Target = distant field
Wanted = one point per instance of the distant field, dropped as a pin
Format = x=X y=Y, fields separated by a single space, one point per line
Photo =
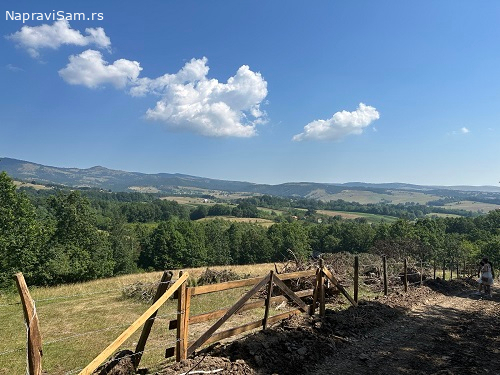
x=365 y=197
x=216 y=193
x=473 y=206
x=263 y=222
x=29 y=184
x=442 y=215
x=354 y=215
x=189 y=200
x=270 y=211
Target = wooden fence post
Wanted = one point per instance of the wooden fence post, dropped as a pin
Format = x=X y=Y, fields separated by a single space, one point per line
x=421 y=272
x=356 y=278
x=181 y=344
x=384 y=264
x=33 y=330
x=312 y=310
x=405 y=280
x=268 y=300
x=321 y=288
x=141 y=344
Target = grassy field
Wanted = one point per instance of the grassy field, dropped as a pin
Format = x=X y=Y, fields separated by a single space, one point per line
x=354 y=215
x=264 y=222
x=473 y=206
x=365 y=197
x=20 y=184
x=79 y=320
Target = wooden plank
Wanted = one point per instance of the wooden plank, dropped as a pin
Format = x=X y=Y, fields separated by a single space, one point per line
x=223 y=286
x=384 y=267
x=247 y=306
x=227 y=315
x=405 y=280
x=31 y=319
x=246 y=282
x=170 y=352
x=185 y=324
x=321 y=288
x=133 y=327
x=334 y=280
x=146 y=330
x=289 y=293
x=312 y=310
x=356 y=278
x=268 y=300
x=297 y=275
x=249 y=326
x=181 y=305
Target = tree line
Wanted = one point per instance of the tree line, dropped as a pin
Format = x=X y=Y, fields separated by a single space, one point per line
x=69 y=237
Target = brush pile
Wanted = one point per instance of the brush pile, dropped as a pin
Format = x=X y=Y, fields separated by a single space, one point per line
x=215 y=277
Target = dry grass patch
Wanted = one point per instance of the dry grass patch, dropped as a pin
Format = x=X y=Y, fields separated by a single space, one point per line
x=78 y=321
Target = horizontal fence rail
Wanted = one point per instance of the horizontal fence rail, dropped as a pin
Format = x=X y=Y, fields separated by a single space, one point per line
x=381 y=275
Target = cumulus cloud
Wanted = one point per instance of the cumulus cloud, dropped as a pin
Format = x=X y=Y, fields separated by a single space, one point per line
x=14 y=68
x=53 y=36
x=463 y=130
x=194 y=70
x=89 y=69
x=340 y=124
x=192 y=102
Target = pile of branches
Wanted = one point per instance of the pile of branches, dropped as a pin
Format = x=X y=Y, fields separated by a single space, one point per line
x=302 y=283
x=215 y=277
x=141 y=292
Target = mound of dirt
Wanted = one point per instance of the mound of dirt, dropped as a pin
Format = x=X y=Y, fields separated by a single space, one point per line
x=439 y=328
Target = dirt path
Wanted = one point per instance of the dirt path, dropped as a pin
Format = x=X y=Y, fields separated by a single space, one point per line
x=446 y=334
x=441 y=328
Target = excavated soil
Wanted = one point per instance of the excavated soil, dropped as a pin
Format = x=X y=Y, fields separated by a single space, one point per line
x=440 y=328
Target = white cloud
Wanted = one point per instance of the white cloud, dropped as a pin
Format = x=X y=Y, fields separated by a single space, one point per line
x=462 y=130
x=89 y=69
x=192 y=102
x=194 y=70
x=14 y=68
x=53 y=36
x=340 y=125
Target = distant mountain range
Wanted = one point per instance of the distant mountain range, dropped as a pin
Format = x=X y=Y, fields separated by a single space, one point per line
x=167 y=183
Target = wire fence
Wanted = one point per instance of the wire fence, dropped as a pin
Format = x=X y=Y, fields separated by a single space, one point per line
x=374 y=273
x=64 y=319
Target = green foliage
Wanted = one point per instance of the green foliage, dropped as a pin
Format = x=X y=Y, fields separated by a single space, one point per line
x=21 y=236
x=77 y=243
x=199 y=213
x=77 y=236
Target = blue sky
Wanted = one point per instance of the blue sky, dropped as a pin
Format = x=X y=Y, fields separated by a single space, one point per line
x=259 y=91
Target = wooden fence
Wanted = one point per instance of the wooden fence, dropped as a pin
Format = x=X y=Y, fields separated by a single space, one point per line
x=186 y=294
x=184 y=348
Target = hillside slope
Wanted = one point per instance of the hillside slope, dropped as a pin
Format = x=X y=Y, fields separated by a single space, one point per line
x=168 y=183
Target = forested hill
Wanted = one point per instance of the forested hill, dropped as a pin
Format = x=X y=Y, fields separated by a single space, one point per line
x=167 y=183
